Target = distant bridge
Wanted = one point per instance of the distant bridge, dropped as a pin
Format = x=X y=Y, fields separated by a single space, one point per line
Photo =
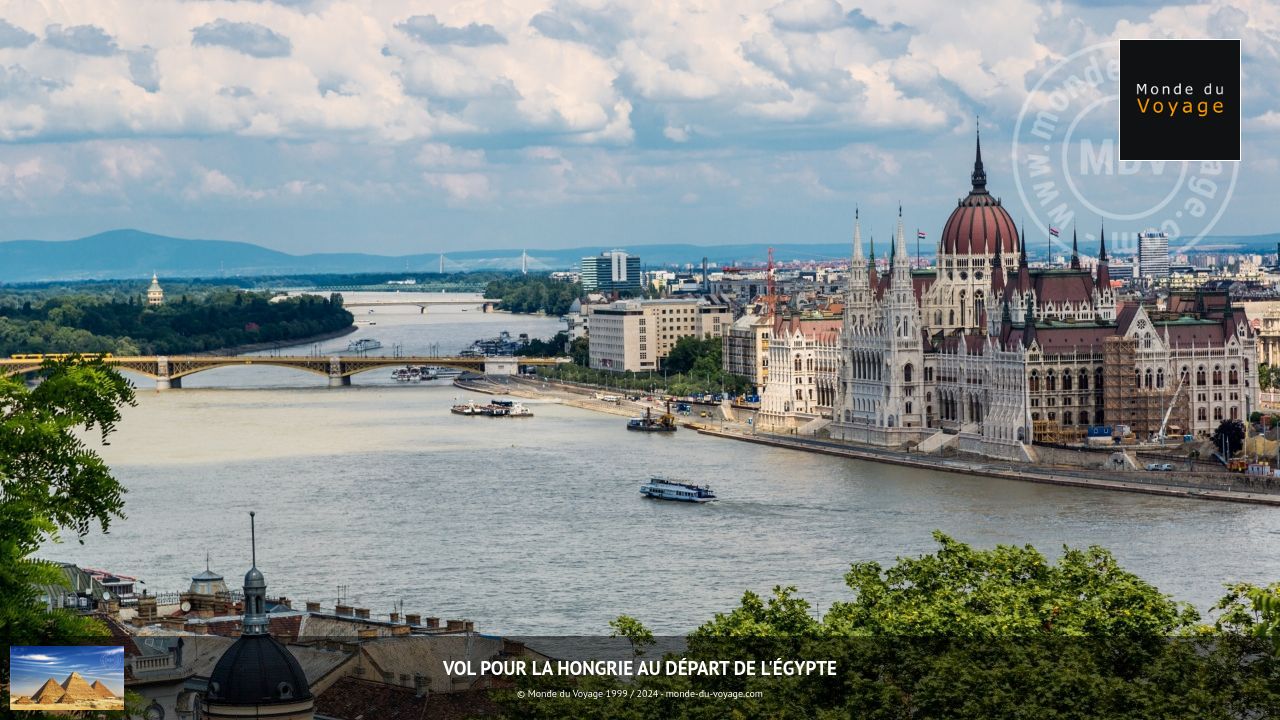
x=168 y=371
x=487 y=304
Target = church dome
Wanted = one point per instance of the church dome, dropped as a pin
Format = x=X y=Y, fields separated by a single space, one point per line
x=979 y=220
x=257 y=670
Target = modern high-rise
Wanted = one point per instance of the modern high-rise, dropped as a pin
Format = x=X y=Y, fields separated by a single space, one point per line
x=1153 y=254
x=612 y=272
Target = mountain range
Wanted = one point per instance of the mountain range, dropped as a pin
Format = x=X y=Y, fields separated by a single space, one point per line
x=124 y=254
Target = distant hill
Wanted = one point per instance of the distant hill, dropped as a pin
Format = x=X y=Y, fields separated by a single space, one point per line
x=122 y=254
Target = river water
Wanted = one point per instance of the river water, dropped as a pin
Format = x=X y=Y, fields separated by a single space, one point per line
x=535 y=526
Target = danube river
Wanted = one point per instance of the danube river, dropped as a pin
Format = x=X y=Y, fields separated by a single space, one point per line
x=535 y=526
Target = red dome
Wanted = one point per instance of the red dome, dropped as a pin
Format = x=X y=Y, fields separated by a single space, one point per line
x=979 y=219
x=982 y=218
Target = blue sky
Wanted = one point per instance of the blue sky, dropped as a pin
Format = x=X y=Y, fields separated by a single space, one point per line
x=31 y=666
x=399 y=126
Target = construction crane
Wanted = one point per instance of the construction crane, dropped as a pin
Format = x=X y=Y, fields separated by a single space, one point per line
x=1160 y=436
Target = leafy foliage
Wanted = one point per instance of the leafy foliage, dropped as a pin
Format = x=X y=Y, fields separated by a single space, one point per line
x=211 y=320
x=1230 y=433
x=537 y=347
x=534 y=293
x=51 y=481
x=967 y=633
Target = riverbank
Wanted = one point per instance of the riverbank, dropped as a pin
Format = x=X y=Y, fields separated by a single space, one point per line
x=1206 y=487
x=259 y=347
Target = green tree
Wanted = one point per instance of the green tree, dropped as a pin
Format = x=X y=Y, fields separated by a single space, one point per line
x=580 y=351
x=964 y=633
x=51 y=482
x=1230 y=434
x=634 y=631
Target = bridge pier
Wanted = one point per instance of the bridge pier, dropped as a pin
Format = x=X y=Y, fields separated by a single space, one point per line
x=168 y=383
x=339 y=381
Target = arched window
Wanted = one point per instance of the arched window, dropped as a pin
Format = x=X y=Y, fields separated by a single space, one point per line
x=1149 y=375
x=937 y=317
x=1232 y=376
x=1035 y=381
x=1066 y=418
x=951 y=317
x=1201 y=415
x=1200 y=375
x=1160 y=378
x=907 y=372
x=1050 y=382
x=1084 y=379
x=1066 y=380
x=1217 y=374
x=1217 y=413
x=799 y=363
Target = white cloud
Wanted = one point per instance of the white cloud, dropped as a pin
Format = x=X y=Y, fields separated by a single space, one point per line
x=461 y=188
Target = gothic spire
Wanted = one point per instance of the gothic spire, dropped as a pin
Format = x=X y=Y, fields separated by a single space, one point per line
x=1102 y=243
x=979 y=175
x=997 y=266
x=857 y=237
x=1075 y=249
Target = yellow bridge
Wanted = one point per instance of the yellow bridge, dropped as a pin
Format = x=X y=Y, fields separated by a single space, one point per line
x=168 y=371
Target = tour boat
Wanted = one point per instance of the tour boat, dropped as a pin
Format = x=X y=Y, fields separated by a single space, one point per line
x=663 y=489
x=507 y=408
x=363 y=345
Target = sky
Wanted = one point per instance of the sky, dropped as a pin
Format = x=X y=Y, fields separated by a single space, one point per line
x=400 y=127
x=31 y=666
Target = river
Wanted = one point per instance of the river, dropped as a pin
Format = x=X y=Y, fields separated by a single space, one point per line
x=535 y=526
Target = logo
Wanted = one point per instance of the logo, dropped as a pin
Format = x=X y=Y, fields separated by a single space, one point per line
x=1068 y=169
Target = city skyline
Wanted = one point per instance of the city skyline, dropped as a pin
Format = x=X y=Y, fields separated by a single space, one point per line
x=327 y=125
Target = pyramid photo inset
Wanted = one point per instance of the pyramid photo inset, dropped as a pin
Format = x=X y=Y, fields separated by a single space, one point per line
x=50 y=692
x=77 y=688
x=102 y=690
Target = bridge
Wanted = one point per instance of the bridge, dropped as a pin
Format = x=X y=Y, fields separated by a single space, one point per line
x=424 y=303
x=168 y=371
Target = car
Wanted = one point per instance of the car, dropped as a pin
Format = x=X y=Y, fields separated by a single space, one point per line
x=1154 y=467
x=1167 y=467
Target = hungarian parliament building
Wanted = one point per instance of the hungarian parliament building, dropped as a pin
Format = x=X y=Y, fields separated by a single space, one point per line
x=998 y=354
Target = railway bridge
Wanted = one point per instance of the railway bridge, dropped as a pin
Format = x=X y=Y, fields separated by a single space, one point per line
x=168 y=371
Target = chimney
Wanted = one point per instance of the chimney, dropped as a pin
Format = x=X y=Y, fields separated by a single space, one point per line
x=313 y=607
x=395 y=617
x=454 y=625
x=433 y=622
x=468 y=625
x=362 y=613
x=413 y=619
x=344 y=610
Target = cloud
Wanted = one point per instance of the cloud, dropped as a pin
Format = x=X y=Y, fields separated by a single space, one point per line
x=83 y=39
x=12 y=36
x=426 y=29
x=461 y=188
x=249 y=38
x=143 y=69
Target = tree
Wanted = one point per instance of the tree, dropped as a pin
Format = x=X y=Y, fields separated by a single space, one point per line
x=580 y=351
x=1230 y=433
x=634 y=631
x=52 y=482
x=969 y=633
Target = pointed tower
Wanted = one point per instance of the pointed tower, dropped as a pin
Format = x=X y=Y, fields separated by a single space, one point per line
x=860 y=296
x=979 y=176
x=1075 y=249
x=1104 y=295
x=255 y=589
x=257 y=676
x=995 y=297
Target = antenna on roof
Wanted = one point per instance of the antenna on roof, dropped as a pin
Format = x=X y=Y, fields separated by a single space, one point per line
x=253 y=539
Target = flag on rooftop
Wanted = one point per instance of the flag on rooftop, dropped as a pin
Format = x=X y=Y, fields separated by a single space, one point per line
x=1053 y=231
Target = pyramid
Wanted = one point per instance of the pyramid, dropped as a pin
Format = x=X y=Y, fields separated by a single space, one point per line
x=50 y=692
x=102 y=690
x=78 y=690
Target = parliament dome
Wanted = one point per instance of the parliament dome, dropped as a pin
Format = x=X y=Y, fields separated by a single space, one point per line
x=979 y=220
x=257 y=670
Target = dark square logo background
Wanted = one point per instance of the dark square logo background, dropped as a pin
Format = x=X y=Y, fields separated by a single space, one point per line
x=1196 y=63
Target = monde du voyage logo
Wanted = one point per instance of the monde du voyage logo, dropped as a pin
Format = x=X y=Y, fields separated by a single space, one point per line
x=1134 y=134
x=1180 y=100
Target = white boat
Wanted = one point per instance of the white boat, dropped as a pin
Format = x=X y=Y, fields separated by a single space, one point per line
x=363 y=345
x=663 y=489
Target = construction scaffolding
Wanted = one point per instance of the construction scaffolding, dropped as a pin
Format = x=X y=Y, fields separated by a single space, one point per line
x=1143 y=407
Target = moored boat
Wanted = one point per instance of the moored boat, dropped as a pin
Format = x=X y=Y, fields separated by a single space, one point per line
x=665 y=422
x=663 y=489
